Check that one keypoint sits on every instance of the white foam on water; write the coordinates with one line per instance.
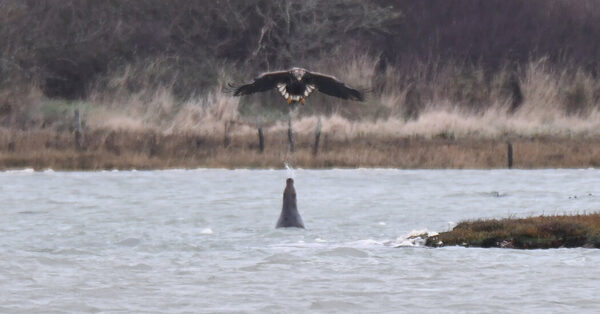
(415, 238)
(24, 170)
(366, 243)
(206, 231)
(290, 171)
(416, 242)
(417, 233)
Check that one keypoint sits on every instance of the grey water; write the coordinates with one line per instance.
(205, 241)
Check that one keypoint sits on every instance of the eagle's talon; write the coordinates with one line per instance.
(302, 100)
(289, 100)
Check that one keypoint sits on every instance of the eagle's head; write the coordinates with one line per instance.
(298, 73)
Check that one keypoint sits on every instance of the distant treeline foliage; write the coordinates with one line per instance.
(69, 47)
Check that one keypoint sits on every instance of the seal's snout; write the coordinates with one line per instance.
(289, 182)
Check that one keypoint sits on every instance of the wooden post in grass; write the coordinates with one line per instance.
(227, 139)
(78, 131)
(317, 137)
(509, 154)
(261, 137)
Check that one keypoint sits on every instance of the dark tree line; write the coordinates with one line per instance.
(71, 46)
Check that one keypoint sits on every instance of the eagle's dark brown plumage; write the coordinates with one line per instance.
(296, 84)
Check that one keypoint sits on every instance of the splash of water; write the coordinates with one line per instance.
(416, 238)
(290, 171)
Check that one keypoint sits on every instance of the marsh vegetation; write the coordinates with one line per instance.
(125, 73)
(541, 232)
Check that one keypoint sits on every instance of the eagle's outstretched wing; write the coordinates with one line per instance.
(332, 86)
(262, 83)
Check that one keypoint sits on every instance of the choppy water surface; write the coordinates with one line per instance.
(204, 241)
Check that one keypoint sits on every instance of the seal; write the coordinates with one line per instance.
(289, 211)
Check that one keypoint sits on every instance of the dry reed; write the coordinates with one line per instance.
(453, 117)
(145, 149)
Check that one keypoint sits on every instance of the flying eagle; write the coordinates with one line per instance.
(296, 84)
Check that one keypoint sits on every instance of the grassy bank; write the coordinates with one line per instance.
(448, 83)
(525, 233)
(152, 129)
(108, 149)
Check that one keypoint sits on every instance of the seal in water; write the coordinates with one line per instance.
(289, 212)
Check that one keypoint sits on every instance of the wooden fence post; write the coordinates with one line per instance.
(509, 154)
(78, 131)
(227, 139)
(317, 137)
(261, 138)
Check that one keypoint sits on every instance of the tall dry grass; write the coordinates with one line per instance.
(451, 101)
(436, 116)
(485, 71)
(104, 149)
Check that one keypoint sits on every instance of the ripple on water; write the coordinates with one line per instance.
(31, 212)
(343, 252)
(144, 242)
(206, 231)
(130, 242)
(137, 267)
(283, 258)
(335, 306)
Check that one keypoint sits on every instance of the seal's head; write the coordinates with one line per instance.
(290, 191)
(289, 211)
